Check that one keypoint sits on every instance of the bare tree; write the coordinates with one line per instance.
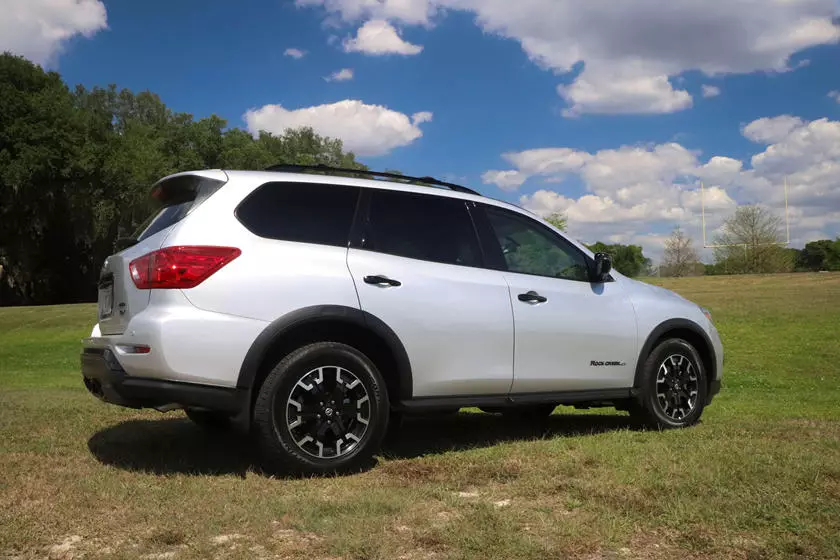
(751, 242)
(680, 257)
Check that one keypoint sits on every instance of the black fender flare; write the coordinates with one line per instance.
(323, 313)
(673, 325)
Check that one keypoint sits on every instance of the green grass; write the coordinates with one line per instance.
(758, 478)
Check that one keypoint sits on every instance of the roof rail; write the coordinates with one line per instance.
(293, 168)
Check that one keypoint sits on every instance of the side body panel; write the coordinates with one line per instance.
(583, 337)
(454, 321)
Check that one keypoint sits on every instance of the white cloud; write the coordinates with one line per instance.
(720, 170)
(505, 180)
(629, 52)
(367, 130)
(808, 157)
(612, 94)
(773, 129)
(409, 12)
(710, 91)
(294, 53)
(378, 37)
(637, 192)
(421, 117)
(340, 75)
(39, 29)
(835, 95)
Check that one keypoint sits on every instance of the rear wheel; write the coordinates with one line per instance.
(673, 387)
(209, 420)
(322, 409)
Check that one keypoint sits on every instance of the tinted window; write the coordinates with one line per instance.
(303, 212)
(529, 248)
(173, 199)
(422, 227)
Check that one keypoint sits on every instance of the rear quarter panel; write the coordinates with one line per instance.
(270, 278)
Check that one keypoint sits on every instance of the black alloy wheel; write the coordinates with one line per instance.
(327, 413)
(322, 409)
(672, 388)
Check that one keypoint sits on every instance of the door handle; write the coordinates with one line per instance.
(532, 297)
(379, 280)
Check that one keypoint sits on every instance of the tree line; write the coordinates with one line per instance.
(750, 242)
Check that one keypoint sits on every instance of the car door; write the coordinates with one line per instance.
(570, 334)
(418, 268)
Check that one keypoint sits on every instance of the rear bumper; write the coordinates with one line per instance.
(105, 378)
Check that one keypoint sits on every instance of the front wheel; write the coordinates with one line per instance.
(322, 409)
(673, 387)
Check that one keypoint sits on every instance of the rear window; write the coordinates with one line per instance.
(301, 212)
(174, 199)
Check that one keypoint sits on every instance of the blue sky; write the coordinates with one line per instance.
(601, 112)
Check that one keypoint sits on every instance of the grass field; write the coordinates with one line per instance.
(758, 478)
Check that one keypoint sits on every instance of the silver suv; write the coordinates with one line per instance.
(311, 307)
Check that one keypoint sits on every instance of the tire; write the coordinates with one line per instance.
(672, 389)
(297, 434)
(209, 420)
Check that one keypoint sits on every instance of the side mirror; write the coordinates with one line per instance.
(603, 266)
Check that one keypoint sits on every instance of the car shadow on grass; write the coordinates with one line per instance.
(432, 434)
(171, 445)
(177, 446)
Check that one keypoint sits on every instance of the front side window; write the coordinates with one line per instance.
(529, 248)
(302, 212)
(429, 228)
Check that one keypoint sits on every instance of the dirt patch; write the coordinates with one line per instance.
(66, 549)
(220, 540)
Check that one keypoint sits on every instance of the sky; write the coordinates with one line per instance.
(616, 113)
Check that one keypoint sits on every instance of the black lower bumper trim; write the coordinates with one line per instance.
(105, 378)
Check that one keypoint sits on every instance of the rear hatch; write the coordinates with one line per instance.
(173, 198)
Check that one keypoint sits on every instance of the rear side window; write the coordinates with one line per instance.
(302, 212)
(429, 228)
(173, 199)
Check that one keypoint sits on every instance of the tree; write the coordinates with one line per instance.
(820, 255)
(751, 243)
(41, 136)
(76, 168)
(627, 259)
(680, 256)
(557, 220)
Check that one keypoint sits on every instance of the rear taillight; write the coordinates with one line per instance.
(179, 267)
